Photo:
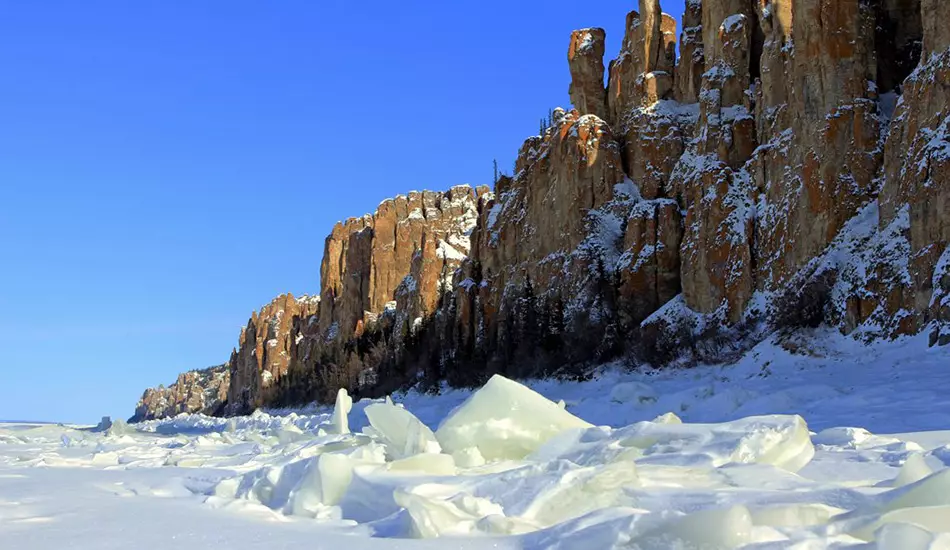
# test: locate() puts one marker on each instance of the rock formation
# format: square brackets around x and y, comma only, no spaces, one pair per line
[586,59]
[264,351]
[199,391]
[797,150]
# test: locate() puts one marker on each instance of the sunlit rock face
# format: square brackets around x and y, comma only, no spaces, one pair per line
[264,351]
[793,145]
[201,391]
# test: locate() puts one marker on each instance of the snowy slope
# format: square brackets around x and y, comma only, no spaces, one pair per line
[743,471]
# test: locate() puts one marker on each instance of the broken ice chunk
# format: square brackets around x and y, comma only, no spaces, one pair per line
[504,420]
[403,434]
[913,470]
[341,411]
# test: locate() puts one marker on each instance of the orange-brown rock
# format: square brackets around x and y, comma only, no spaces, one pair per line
[653,143]
[366,259]
[532,229]
[692,61]
[816,173]
[775,64]
[264,351]
[642,73]
[650,267]
[717,262]
[586,60]
[771,156]
[434,265]
[201,391]
[917,170]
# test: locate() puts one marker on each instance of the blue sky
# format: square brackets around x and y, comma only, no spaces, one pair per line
[168,166]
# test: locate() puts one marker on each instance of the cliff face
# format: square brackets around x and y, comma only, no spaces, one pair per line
[264,351]
[201,391]
[796,148]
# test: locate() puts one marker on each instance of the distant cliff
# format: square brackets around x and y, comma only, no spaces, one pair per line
[199,391]
[790,168]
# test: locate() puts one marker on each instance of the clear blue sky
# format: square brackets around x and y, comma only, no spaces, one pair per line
[167,166]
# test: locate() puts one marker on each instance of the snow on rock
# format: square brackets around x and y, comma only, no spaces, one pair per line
[504,420]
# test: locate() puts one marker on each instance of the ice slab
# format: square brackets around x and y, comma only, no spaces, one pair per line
[782,441]
[713,529]
[913,470]
[341,412]
[403,434]
[504,420]
[904,536]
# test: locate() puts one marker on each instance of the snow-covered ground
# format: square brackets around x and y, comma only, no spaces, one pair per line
[505,468]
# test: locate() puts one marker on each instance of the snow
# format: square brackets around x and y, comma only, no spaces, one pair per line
[448,252]
[733,23]
[841,445]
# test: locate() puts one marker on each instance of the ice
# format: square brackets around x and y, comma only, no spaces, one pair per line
[583,491]
[708,529]
[668,418]
[733,466]
[903,536]
[438,511]
[119,427]
[794,515]
[504,420]
[324,483]
[469,457]
[843,437]
[341,411]
[633,392]
[933,490]
[935,519]
[403,433]
[913,470]
[435,464]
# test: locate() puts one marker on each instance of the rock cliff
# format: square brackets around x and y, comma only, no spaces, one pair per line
[200,391]
[790,167]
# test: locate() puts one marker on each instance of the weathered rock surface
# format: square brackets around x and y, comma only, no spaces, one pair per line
[200,391]
[366,259]
[586,60]
[796,144]
[692,62]
[264,351]
[917,171]
[642,74]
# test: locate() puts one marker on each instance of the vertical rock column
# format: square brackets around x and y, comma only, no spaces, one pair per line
[717,266]
[586,60]
[692,60]
[917,169]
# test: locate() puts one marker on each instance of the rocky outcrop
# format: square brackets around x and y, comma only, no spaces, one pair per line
[917,169]
[366,259]
[264,351]
[643,72]
[797,147]
[199,391]
[585,57]
[692,62]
